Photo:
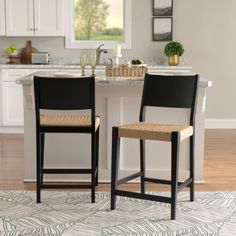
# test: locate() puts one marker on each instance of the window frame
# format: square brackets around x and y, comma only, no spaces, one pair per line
[71,43]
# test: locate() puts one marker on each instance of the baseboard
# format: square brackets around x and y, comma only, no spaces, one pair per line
[220,124]
[209,124]
[11,129]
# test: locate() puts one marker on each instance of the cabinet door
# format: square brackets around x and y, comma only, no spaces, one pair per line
[49,17]
[12,97]
[13,113]
[19,18]
[2,18]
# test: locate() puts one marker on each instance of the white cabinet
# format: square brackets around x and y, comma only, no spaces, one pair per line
[34,18]
[2,18]
[19,18]
[49,18]
[12,105]
[12,97]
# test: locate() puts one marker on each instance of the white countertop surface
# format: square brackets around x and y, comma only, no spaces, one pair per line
[77,66]
[103,80]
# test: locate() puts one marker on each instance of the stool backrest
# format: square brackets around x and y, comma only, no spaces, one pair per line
[64,93]
[170,91]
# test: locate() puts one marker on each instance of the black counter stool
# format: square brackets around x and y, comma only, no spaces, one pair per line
[66,94]
[159,91]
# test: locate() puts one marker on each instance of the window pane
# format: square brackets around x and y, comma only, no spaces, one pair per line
[99,20]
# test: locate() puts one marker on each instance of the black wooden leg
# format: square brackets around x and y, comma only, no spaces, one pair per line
[142,164]
[114,165]
[174,172]
[93,163]
[192,175]
[38,168]
[97,154]
[42,141]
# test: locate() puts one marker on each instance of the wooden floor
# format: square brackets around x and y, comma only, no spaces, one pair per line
[220,164]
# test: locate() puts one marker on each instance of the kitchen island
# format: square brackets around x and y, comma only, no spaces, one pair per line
[117,102]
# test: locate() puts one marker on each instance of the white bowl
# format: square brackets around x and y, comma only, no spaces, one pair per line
[66,74]
[12,53]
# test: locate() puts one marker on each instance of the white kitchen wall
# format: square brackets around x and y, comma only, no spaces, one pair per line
[205,27]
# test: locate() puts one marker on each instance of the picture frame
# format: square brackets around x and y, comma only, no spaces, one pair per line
[162,29]
[162,7]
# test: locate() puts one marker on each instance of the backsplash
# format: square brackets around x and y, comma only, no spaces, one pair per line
[60,55]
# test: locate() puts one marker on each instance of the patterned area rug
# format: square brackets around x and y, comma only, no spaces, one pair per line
[71,213]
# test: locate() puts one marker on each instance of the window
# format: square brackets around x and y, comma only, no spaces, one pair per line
[94,22]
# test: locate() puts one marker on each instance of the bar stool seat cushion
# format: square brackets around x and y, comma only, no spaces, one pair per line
[154,131]
[68,121]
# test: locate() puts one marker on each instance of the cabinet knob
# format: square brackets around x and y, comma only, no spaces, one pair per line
[31,29]
[35,29]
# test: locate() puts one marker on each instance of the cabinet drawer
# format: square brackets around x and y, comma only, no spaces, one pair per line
[12,75]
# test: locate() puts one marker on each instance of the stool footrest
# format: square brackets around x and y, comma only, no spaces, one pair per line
[143,196]
[157,181]
[181,185]
[184,184]
[66,171]
[65,186]
[128,178]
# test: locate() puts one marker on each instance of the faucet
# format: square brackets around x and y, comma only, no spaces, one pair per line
[98,53]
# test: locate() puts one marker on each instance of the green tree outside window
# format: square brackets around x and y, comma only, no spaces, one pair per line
[91,21]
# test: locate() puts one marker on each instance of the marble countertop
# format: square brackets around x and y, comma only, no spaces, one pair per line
[77,66]
[103,80]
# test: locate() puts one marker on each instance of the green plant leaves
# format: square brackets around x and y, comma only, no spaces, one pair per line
[173,48]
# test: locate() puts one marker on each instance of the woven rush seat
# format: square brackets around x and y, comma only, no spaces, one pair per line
[68,121]
[153,131]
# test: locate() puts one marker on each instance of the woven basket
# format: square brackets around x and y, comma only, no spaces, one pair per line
[126,71]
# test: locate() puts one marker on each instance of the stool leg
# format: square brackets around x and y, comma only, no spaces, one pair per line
[174,172]
[38,168]
[192,175]
[114,165]
[97,154]
[42,141]
[142,164]
[93,164]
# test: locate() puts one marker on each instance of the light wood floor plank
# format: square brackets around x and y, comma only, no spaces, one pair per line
[220,164]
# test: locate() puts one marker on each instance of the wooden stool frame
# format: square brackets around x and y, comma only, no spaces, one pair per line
[65,94]
[160,91]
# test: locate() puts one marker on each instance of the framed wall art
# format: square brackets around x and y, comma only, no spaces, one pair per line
[162,7]
[162,29]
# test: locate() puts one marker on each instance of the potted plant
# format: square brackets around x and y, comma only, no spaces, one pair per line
[173,50]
